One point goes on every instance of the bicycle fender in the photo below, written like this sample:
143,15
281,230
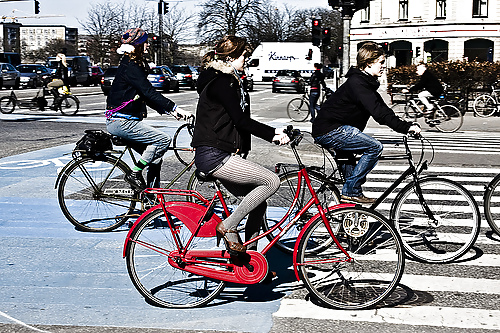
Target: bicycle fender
304,229
189,213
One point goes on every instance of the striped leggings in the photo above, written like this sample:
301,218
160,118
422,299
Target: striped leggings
256,183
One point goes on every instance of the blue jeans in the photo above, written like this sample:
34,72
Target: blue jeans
351,139
150,142
313,100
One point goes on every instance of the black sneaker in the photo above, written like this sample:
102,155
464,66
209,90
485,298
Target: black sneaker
136,180
359,199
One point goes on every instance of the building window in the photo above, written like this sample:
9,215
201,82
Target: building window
365,14
479,8
441,9
403,10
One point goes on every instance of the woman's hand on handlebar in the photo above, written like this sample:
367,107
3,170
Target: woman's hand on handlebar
414,130
281,137
181,114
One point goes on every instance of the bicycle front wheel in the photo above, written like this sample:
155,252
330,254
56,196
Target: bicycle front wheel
448,119
182,143
492,204
94,196
361,267
451,230
484,106
298,109
69,105
7,104
147,255
282,202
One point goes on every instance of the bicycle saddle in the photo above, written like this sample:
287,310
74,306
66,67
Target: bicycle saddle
204,177
117,141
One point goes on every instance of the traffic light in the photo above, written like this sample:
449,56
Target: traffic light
316,32
309,55
385,46
327,37
165,7
339,53
156,41
417,51
37,7
335,4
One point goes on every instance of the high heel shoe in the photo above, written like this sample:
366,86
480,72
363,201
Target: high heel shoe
234,248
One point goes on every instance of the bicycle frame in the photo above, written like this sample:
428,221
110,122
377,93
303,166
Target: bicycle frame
201,221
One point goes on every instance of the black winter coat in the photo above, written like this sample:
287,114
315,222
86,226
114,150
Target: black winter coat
220,120
353,103
131,80
429,82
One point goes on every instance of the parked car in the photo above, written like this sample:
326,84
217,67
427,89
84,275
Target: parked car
288,80
96,74
187,75
33,75
161,77
9,76
247,81
107,79
78,68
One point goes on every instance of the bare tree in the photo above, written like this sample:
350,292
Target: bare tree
177,27
225,17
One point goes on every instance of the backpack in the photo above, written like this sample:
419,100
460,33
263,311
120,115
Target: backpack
94,144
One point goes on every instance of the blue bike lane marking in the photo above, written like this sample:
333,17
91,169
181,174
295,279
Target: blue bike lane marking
52,274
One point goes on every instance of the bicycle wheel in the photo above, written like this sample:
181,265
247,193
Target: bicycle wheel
94,196
454,228
282,201
484,106
448,119
181,143
359,271
7,104
147,256
298,109
492,204
69,105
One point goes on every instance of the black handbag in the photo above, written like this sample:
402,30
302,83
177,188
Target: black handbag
94,144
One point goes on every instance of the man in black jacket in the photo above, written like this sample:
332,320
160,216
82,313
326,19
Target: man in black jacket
343,117
429,86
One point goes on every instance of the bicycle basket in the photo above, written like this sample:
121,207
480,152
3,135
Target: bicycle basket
94,144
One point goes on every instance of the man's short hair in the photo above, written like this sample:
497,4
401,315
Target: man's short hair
368,53
318,65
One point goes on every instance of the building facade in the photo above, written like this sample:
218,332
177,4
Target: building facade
429,30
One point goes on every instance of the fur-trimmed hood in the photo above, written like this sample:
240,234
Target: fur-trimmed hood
212,70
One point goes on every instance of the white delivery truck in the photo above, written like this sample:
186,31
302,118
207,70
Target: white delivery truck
269,57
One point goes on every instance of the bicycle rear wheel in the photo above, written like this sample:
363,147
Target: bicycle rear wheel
69,105
449,119
7,104
147,256
484,106
282,201
182,143
358,272
94,196
298,109
492,204
453,230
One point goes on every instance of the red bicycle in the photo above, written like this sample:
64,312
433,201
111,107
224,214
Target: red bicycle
348,257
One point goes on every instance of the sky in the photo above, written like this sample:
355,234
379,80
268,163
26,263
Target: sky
71,11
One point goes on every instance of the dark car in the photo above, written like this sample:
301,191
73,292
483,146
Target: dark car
107,79
162,78
247,81
288,80
33,75
96,74
187,75
78,68
9,76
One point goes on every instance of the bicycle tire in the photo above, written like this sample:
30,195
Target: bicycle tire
492,204
449,119
281,202
298,109
90,208
157,281
484,106
371,272
7,104
454,232
69,105
181,143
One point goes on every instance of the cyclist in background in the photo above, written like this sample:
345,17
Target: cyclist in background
429,86
343,117
317,81
126,105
